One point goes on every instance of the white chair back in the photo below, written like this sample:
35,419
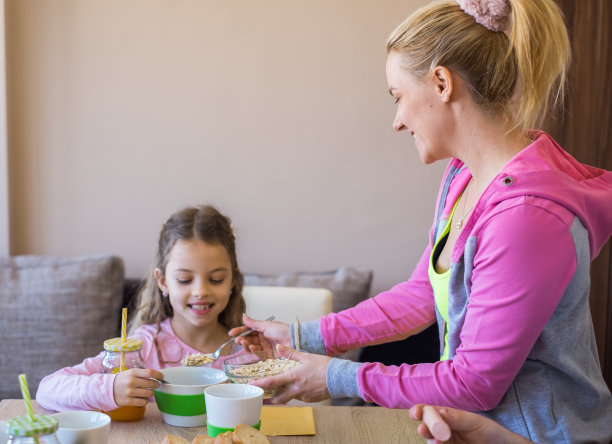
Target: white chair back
285,303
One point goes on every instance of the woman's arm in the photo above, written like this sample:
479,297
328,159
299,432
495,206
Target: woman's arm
525,260
404,310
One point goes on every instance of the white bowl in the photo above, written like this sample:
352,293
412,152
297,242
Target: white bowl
181,401
83,426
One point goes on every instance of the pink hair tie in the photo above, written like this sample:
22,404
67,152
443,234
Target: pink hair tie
492,14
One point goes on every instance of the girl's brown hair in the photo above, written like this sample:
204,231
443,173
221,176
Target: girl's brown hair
204,223
527,66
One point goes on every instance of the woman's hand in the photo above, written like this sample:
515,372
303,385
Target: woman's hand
445,424
306,382
134,386
266,335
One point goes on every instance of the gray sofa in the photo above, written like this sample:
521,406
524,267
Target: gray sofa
55,311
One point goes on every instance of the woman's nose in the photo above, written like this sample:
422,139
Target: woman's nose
398,125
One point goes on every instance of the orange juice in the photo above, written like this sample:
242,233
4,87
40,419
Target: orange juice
121,355
126,413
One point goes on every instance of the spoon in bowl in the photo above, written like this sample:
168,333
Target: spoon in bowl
207,358
140,365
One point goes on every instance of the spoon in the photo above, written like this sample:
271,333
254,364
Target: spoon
139,365
215,355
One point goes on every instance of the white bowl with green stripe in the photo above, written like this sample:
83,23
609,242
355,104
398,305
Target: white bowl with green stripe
181,401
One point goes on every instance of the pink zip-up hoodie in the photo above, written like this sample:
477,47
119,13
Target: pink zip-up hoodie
521,341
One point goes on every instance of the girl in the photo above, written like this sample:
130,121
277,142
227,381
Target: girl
506,269
192,297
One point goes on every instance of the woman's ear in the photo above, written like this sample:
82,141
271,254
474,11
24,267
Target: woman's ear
443,80
161,280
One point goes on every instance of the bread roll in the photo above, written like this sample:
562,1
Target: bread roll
172,439
249,435
226,438
202,439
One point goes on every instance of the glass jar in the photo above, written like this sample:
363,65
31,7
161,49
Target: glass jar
122,355
41,430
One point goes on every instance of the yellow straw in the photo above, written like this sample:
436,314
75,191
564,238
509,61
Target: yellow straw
25,392
123,325
123,337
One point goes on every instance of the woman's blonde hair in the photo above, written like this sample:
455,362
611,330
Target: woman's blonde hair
204,223
519,75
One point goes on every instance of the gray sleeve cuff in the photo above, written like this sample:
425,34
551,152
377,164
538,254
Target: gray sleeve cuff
341,378
310,337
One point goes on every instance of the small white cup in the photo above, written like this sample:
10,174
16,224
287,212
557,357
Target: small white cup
228,405
83,427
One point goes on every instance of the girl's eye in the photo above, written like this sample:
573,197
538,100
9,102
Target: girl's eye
216,281
183,281
396,101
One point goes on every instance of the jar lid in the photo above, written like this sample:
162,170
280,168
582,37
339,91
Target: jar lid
115,344
42,425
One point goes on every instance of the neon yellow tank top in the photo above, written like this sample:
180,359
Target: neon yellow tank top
439,281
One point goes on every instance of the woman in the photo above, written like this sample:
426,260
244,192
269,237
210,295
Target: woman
506,269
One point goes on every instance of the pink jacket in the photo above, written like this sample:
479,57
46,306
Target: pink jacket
520,331
85,387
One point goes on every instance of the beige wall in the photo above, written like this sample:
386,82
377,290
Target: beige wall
276,111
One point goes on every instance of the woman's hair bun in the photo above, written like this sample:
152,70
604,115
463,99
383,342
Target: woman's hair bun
492,14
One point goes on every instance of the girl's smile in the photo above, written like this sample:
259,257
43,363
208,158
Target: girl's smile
200,309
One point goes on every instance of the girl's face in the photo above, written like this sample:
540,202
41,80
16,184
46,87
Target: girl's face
420,109
198,280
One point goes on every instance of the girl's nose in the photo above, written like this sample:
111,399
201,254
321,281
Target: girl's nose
200,289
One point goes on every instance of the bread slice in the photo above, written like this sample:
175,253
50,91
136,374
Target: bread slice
203,439
172,439
225,438
249,435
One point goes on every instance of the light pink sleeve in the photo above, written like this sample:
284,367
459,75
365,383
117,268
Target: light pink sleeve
525,260
404,310
82,387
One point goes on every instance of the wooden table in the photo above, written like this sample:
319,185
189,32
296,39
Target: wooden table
333,425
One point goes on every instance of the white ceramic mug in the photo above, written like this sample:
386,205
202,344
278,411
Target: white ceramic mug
83,427
228,405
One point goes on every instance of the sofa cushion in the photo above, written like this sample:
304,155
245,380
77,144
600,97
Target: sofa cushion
55,313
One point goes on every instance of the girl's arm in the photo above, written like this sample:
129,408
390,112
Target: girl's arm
82,387
85,387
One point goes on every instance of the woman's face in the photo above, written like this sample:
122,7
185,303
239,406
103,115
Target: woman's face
420,109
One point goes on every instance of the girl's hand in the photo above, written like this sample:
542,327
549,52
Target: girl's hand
134,386
266,335
445,424
306,382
